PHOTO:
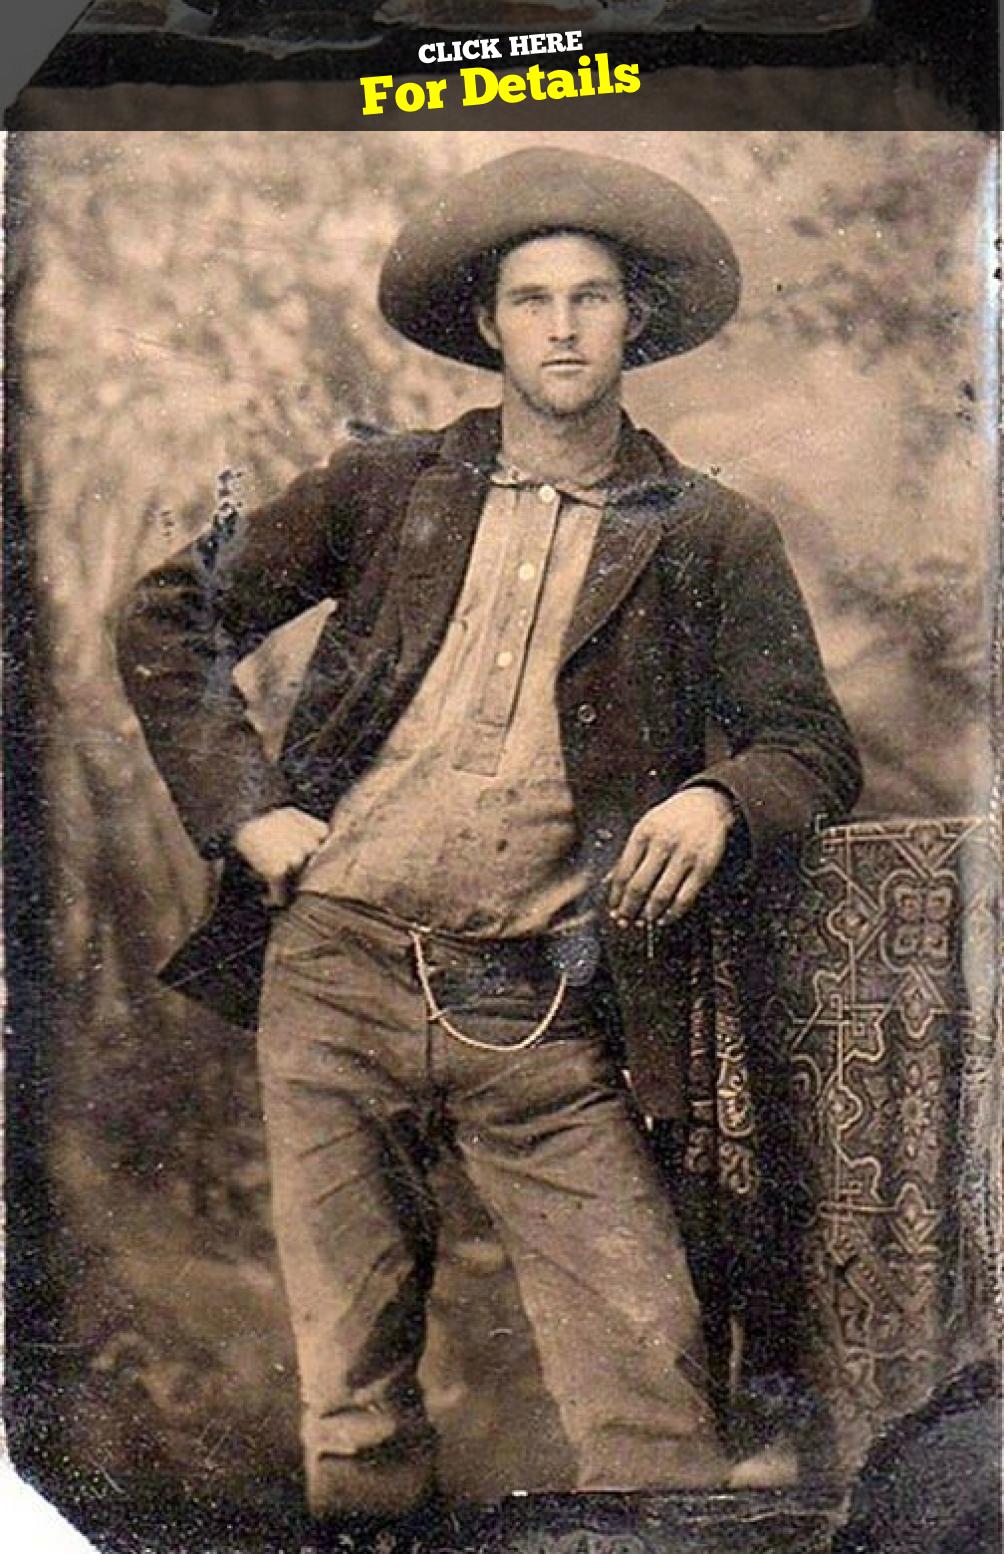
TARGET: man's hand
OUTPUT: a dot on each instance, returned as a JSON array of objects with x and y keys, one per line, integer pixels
[
  {"x": 277, "y": 845},
  {"x": 670, "y": 856}
]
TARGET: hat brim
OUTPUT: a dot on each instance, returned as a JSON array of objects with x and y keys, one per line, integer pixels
[{"x": 430, "y": 276}]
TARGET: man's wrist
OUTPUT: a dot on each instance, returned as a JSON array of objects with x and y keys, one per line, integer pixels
[
  {"x": 730, "y": 811},
  {"x": 738, "y": 842}
]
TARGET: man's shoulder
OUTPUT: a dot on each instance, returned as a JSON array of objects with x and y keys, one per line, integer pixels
[
  {"x": 705, "y": 504},
  {"x": 366, "y": 481},
  {"x": 721, "y": 501},
  {"x": 367, "y": 451}
]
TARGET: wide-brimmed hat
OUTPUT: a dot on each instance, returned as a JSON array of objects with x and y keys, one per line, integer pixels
[{"x": 429, "y": 280}]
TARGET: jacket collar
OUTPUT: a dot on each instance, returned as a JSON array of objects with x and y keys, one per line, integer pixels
[
  {"x": 642, "y": 467},
  {"x": 445, "y": 507}
]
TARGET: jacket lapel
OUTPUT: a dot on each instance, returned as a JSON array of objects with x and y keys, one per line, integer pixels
[
  {"x": 442, "y": 521},
  {"x": 630, "y": 530},
  {"x": 438, "y": 533}
]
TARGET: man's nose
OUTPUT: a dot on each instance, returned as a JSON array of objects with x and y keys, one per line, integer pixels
[{"x": 563, "y": 321}]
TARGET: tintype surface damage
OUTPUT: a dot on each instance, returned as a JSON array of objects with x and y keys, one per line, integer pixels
[{"x": 162, "y": 1379}]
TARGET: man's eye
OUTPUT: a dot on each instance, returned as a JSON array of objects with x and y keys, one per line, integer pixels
[{"x": 594, "y": 296}]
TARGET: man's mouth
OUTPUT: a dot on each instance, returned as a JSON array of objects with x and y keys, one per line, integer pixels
[{"x": 565, "y": 361}]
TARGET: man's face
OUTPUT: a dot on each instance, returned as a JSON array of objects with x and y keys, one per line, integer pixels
[{"x": 561, "y": 321}]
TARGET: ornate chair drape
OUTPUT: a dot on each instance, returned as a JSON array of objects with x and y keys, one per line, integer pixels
[{"x": 841, "y": 1181}]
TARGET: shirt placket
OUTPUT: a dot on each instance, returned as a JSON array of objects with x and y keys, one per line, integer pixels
[{"x": 507, "y": 640}]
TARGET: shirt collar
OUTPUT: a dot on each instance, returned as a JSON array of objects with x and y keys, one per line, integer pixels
[
  {"x": 592, "y": 495},
  {"x": 644, "y": 471}
]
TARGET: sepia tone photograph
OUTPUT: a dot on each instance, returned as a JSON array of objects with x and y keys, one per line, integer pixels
[{"x": 503, "y": 917}]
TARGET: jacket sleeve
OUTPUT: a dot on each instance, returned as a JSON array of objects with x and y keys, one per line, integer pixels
[
  {"x": 792, "y": 758},
  {"x": 188, "y": 623}
]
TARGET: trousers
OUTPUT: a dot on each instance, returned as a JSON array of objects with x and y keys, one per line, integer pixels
[{"x": 361, "y": 1084}]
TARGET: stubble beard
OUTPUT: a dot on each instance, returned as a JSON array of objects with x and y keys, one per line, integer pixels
[{"x": 554, "y": 411}]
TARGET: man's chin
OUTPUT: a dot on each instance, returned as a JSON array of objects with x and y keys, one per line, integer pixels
[{"x": 568, "y": 406}]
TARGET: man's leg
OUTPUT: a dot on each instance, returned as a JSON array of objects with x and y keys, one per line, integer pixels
[
  {"x": 550, "y": 1142},
  {"x": 342, "y": 1049}
]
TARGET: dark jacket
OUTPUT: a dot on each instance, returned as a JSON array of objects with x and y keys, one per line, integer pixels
[{"x": 689, "y": 613}]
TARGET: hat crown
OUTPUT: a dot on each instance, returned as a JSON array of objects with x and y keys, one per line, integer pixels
[{"x": 430, "y": 274}]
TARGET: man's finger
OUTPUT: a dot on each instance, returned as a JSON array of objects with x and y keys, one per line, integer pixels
[
  {"x": 630, "y": 858},
  {"x": 277, "y": 891},
  {"x": 298, "y": 857},
  {"x": 665, "y": 893},
  {"x": 311, "y": 830},
  {"x": 685, "y": 897},
  {"x": 636, "y": 891}
]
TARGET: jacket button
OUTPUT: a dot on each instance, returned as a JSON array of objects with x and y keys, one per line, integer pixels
[{"x": 586, "y": 712}]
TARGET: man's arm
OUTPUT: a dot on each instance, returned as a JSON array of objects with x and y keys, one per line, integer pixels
[
  {"x": 792, "y": 761},
  {"x": 188, "y": 624}
]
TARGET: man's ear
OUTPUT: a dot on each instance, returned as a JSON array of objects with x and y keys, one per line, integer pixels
[
  {"x": 487, "y": 330},
  {"x": 639, "y": 313}
]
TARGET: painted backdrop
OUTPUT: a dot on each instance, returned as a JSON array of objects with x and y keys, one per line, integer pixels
[{"x": 194, "y": 316}]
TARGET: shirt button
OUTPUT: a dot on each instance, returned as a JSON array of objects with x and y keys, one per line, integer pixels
[
  {"x": 586, "y": 712},
  {"x": 504, "y": 659},
  {"x": 547, "y": 494},
  {"x": 526, "y": 572}
]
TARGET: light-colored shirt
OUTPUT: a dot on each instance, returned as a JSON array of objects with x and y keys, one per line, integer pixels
[{"x": 465, "y": 821}]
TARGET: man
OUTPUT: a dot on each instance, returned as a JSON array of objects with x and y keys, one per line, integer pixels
[{"x": 493, "y": 817}]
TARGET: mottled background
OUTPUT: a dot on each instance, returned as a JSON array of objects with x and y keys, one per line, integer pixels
[{"x": 189, "y": 303}]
